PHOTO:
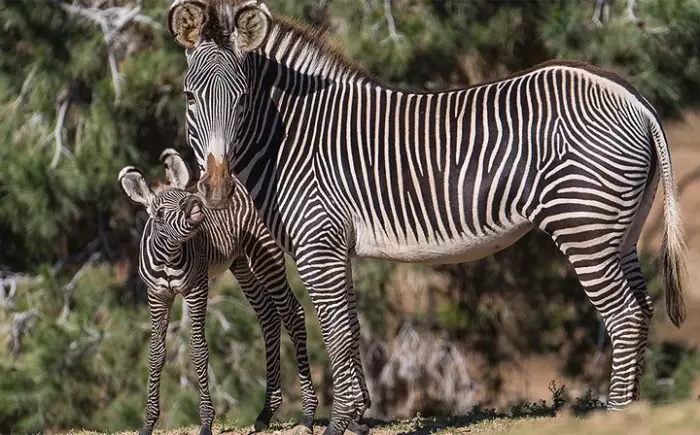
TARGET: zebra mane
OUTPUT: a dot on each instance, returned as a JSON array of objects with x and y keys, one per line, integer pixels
[
  {"x": 317, "y": 50},
  {"x": 316, "y": 44}
]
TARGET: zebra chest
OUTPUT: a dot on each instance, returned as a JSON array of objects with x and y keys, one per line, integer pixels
[{"x": 172, "y": 278}]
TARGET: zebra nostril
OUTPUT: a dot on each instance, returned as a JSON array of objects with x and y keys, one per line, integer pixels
[{"x": 192, "y": 207}]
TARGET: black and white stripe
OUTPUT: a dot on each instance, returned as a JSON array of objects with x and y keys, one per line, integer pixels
[
  {"x": 183, "y": 246},
  {"x": 340, "y": 165}
]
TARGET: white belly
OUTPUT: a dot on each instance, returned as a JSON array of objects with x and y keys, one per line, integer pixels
[
  {"x": 463, "y": 248},
  {"x": 216, "y": 270}
]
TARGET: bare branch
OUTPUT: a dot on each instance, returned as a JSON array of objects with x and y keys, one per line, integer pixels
[
  {"x": 216, "y": 388},
  {"x": 391, "y": 24},
  {"x": 68, "y": 288},
  {"x": 600, "y": 5},
  {"x": 8, "y": 287},
  {"x": 58, "y": 134},
  {"x": 111, "y": 21},
  {"x": 26, "y": 85},
  {"x": 20, "y": 325}
]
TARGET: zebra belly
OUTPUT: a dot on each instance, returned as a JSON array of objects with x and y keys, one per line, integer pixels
[
  {"x": 460, "y": 249},
  {"x": 215, "y": 270}
]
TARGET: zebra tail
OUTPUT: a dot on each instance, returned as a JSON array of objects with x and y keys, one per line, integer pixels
[{"x": 673, "y": 248}]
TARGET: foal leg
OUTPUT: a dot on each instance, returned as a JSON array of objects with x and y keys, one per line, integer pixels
[
  {"x": 197, "y": 304},
  {"x": 159, "y": 305}
]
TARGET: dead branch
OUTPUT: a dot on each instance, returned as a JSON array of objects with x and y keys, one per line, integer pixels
[
  {"x": 8, "y": 287},
  {"x": 26, "y": 85},
  {"x": 58, "y": 134},
  {"x": 111, "y": 21},
  {"x": 68, "y": 288},
  {"x": 601, "y": 13},
  {"x": 422, "y": 371},
  {"x": 21, "y": 324},
  {"x": 602, "y": 8},
  {"x": 216, "y": 388},
  {"x": 391, "y": 24}
]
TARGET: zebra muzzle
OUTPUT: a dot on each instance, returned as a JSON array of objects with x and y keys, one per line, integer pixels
[
  {"x": 216, "y": 184},
  {"x": 193, "y": 210}
]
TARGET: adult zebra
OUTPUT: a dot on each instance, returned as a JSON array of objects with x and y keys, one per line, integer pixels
[{"x": 340, "y": 165}]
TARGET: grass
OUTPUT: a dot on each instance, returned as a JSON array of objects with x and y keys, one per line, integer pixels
[{"x": 678, "y": 419}]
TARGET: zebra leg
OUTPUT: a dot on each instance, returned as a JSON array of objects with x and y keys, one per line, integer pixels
[
  {"x": 270, "y": 324},
  {"x": 268, "y": 266},
  {"x": 294, "y": 323},
  {"x": 362, "y": 399},
  {"x": 323, "y": 270},
  {"x": 599, "y": 269},
  {"x": 159, "y": 305},
  {"x": 635, "y": 279},
  {"x": 197, "y": 304}
]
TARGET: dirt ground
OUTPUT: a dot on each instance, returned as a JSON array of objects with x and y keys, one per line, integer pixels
[{"x": 641, "y": 419}]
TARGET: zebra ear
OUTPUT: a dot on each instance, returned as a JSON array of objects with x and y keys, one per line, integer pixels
[
  {"x": 135, "y": 187},
  {"x": 186, "y": 18},
  {"x": 176, "y": 170},
  {"x": 253, "y": 22}
]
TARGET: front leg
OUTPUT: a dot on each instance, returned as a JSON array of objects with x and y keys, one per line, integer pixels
[
  {"x": 159, "y": 305},
  {"x": 197, "y": 304},
  {"x": 323, "y": 267},
  {"x": 266, "y": 261},
  {"x": 270, "y": 324}
]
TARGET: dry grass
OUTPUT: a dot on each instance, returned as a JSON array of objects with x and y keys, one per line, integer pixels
[{"x": 641, "y": 419}]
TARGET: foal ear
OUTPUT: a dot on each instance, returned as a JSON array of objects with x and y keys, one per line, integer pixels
[
  {"x": 252, "y": 21},
  {"x": 176, "y": 171},
  {"x": 186, "y": 18},
  {"x": 135, "y": 187}
]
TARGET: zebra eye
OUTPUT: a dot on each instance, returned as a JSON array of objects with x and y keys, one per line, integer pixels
[
  {"x": 190, "y": 98},
  {"x": 160, "y": 214}
]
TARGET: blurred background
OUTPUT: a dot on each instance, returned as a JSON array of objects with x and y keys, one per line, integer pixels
[{"x": 88, "y": 86}]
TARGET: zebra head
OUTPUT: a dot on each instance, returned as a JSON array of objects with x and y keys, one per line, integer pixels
[
  {"x": 174, "y": 214},
  {"x": 217, "y": 36}
]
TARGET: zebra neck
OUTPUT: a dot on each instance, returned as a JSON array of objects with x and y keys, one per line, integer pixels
[{"x": 167, "y": 251}]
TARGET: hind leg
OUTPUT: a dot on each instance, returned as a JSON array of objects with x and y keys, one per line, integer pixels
[
  {"x": 636, "y": 281},
  {"x": 593, "y": 241},
  {"x": 626, "y": 320}
]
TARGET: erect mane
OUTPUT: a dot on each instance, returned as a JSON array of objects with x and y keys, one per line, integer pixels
[
  {"x": 316, "y": 42},
  {"x": 319, "y": 42}
]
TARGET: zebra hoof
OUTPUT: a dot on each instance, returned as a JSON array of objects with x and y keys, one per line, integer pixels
[
  {"x": 308, "y": 422},
  {"x": 260, "y": 425},
  {"x": 358, "y": 429},
  {"x": 146, "y": 431},
  {"x": 206, "y": 430}
]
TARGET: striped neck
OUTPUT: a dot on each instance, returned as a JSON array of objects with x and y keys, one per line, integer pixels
[{"x": 164, "y": 249}]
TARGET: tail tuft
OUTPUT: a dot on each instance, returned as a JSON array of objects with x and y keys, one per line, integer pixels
[
  {"x": 672, "y": 259},
  {"x": 673, "y": 245}
]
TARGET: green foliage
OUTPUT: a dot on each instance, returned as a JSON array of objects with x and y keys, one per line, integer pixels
[{"x": 89, "y": 368}]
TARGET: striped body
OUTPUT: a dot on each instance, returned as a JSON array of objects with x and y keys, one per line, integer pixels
[
  {"x": 340, "y": 165},
  {"x": 177, "y": 257}
]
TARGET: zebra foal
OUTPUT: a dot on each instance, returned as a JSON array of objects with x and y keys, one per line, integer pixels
[{"x": 183, "y": 246}]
